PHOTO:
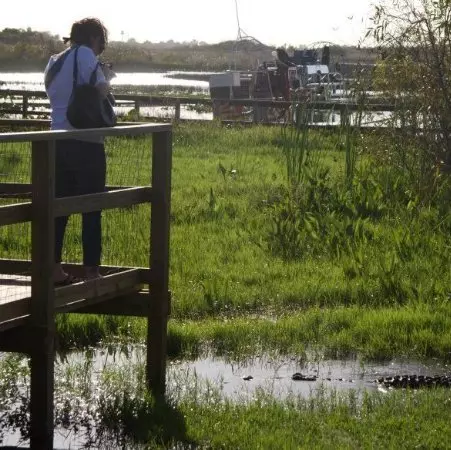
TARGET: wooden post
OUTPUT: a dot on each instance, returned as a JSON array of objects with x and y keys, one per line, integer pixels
[
  {"x": 24, "y": 105},
  {"x": 215, "y": 104},
  {"x": 43, "y": 294},
  {"x": 177, "y": 110},
  {"x": 159, "y": 263},
  {"x": 255, "y": 113},
  {"x": 344, "y": 115}
]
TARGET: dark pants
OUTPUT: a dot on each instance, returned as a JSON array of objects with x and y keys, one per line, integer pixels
[{"x": 80, "y": 168}]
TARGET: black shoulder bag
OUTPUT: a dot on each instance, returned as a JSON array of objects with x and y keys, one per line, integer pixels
[{"x": 87, "y": 108}]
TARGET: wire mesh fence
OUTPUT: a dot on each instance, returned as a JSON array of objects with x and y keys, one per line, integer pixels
[
  {"x": 125, "y": 231},
  {"x": 15, "y": 167}
]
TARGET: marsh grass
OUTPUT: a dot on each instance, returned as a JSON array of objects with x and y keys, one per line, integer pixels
[
  {"x": 372, "y": 334},
  {"x": 245, "y": 242},
  {"x": 109, "y": 408},
  {"x": 327, "y": 420}
]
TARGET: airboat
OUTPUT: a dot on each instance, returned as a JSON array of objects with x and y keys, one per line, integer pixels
[{"x": 305, "y": 76}]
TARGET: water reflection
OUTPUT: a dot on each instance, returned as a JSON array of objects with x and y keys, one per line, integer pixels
[
  {"x": 165, "y": 112},
  {"x": 276, "y": 375},
  {"x": 93, "y": 389},
  {"x": 35, "y": 80},
  {"x": 156, "y": 79}
]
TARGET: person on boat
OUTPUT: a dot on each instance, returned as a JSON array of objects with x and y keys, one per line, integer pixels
[
  {"x": 283, "y": 62},
  {"x": 80, "y": 166}
]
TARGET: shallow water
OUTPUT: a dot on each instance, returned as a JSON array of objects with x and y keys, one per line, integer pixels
[
  {"x": 237, "y": 381},
  {"x": 34, "y": 81},
  {"x": 276, "y": 376}
]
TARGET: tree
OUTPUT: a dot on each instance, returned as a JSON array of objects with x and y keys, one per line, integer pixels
[
  {"x": 414, "y": 41},
  {"x": 414, "y": 37}
]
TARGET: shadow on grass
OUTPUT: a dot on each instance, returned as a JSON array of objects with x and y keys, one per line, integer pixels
[
  {"x": 134, "y": 421},
  {"x": 122, "y": 422}
]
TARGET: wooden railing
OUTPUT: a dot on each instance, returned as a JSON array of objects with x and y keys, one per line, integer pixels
[
  {"x": 29, "y": 325},
  {"x": 26, "y": 104}
]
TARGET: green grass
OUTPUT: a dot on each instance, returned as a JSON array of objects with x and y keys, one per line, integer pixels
[
  {"x": 326, "y": 421},
  {"x": 349, "y": 257},
  {"x": 243, "y": 243},
  {"x": 373, "y": 334}
]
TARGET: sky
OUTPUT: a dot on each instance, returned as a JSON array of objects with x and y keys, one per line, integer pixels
[{"x": 292, "y": 22}]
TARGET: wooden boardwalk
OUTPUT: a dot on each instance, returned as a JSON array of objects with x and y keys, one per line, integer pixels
[
  {"x": 86, "y": 296},
  {"x": 13, "y": 288},
  {"x": 28, "y": 299},
  {"x": 34, "y": 104}
]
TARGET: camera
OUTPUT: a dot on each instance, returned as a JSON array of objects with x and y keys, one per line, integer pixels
[{"x": 107, "y": 69}]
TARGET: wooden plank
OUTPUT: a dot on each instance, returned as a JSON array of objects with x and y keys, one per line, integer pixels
[
  {"x": 23, "y": 190},
  {"x": 104, "y": 200},
  {"x": 129, "y": 302},
  {"x": 15, "y": 188},
  {"x": 13, "y": 310},
  {"x": 16, "y": 339},
  {"x": 11, "y": 214},
  {"x": 25, "y": 122},
  {"x": 88, "y": 293},
  {"x": 18, "y": 322},
  {"x": 159, "y": 262},
  {"x": 38, "y": 104},
  {"x": 42, "y": 319},
  {"x": 78, "y": 270},
  {"x": 17, "y": 110},
  {"x": 78, "y": 305},
  {"x": 22, "y": 266},
  {"x": 255, "y": 103},
  {"x": 319, "y": 105},
  {"x": 129, "y": 130},
  {"x": 134, "y": 304},
  {"x": 161, "y": 100},
  {"x": 20, "y": 92},
  {"x": 67, "y": 297},
  {"x": 119, "y": 97},
  {"x": 14, "y": 287},
  {"x": 311, "y": 126},
  {"x": 158, "y": 100},
  {"x": 46, "y": 122},
  {"x": 155, "y": 100}
]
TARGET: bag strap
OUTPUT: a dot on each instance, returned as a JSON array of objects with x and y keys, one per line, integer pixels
[
  {"x": 56, "y": 67},
  {"x": 93, "y": 77},
  {"x": 75, "y": 72}
]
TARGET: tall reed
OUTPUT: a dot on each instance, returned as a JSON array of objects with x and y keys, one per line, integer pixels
[{"x": 295, "y": 142}]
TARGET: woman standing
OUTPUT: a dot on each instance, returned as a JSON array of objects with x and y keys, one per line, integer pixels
[{"x": 80, "y": 166}]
